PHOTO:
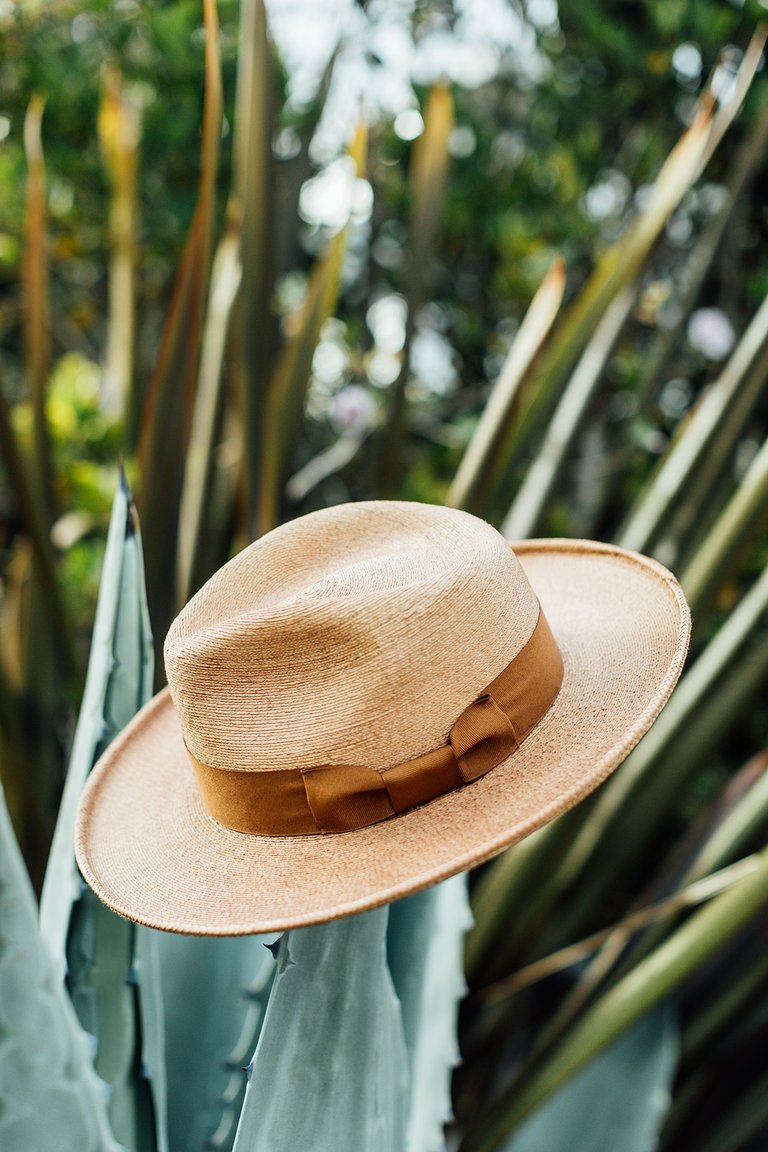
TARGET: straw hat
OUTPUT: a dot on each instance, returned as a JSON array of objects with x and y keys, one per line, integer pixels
[{"x": 364, "y": 702}]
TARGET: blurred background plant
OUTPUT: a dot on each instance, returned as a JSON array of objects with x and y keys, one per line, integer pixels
[{"x": 509, "y": 257}]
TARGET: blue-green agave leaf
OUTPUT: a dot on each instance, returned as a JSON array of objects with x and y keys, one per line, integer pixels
[
  {"x": 152, "y": 1028},
  {"x": 97, "y": 951},
  {"x": 51, "y": 1097},
  {"x": 425, "y": 947},
  {"x": 103, "y": 985},
  {"x": 214, "y": 992},
  {"x": 619, "y": 1100},
  {"x": 330, "y": 1069},
  {"x": 62, "y": 885}
]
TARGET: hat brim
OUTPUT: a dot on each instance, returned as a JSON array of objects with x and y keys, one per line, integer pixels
[{"x": 147, "y": 846}]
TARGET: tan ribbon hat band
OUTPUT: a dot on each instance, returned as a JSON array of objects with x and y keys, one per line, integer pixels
[
  {"x": 366, "y": 701},
  {"x": 346, "y": 797}
]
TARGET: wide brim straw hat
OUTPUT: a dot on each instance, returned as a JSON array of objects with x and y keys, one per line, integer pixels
[{"x": 366, "y": 701}]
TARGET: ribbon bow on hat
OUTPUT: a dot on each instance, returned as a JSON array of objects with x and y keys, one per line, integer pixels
[{"x": 346, "y": 797}]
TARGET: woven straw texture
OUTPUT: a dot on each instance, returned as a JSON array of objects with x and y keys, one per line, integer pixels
[{"x": 358, "y": 635}]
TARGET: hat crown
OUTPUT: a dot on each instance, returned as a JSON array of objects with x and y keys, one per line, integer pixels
[{"x": 352, "y": 635}]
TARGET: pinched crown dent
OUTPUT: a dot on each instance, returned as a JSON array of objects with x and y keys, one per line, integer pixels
[{"x": 329, "y": 636}]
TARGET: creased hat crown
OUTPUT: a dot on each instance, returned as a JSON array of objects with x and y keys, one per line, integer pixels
[{"x": 355, "y": 634}]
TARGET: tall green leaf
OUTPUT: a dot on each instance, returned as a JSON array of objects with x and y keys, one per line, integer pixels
[
  {"x": 284, "y": 406},
  {"x": 214, "y": 992},
  {"x": 480, "y": 463},
  {"x": 96, "y": 949},
  {"x": 51, "y": 1096},
  {"x": 194, "y": 563},
  {"x": 19, "y": 474},
  {"x": 619, "y": 1100},
  {"x": 36, "y": 304},
  {"x": 12, "y": 748},
  {"x": 723, "y": 545},
  {"x": 253, "y": 200},
  {"x": 119, "y": 132},
  {"x": 41, "y": 692},
  {"x": 118, "y": 682},
  {"x": 500, "y": 901},
  {"x": 529, "y": 505},
  {"x": 708, "y": 433},
  {"x": 425, "y": 942},
  {"x": 330, "y": 1069},
  {"x": 167, "y": 415},
  {"x": 427, "y": 179}
]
